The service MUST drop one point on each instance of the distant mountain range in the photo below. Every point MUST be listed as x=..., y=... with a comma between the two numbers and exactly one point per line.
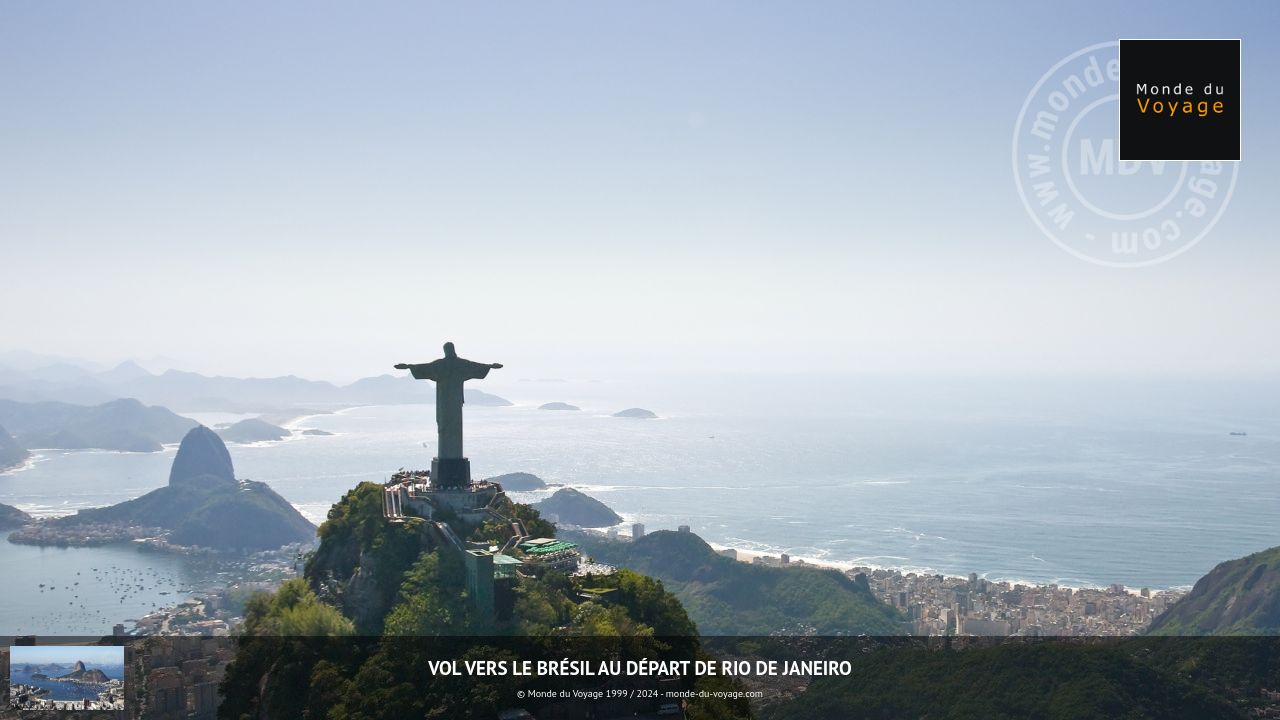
x=69, y=406
x=115, y=425
x=192, y=392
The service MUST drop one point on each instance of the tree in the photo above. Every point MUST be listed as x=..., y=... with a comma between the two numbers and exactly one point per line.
x=432, y=599
x=294, y=611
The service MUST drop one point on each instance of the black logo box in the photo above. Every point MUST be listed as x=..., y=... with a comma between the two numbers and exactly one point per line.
x=1210, y=132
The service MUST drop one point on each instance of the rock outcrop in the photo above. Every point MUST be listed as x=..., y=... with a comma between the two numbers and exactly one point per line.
x=202, y=459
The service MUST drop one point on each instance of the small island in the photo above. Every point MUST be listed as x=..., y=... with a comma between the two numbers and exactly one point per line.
x=315, y=432
x=558, y=406
x=577, y=508
x=519, y=481
x=638, y=413
x=253, y=430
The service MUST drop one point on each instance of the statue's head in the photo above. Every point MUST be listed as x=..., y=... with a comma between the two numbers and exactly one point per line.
x=449, y=351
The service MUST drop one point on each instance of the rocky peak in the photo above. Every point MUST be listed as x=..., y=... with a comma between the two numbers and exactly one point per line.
x=202, y=459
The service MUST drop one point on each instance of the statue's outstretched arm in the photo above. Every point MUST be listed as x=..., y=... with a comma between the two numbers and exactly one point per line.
x=495, y=366
x=402, y=366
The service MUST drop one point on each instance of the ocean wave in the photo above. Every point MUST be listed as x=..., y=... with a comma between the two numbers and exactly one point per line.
x=590, y=488
x=41, y=510
x=295, y=423
x=1082, y=488
x=102, y=451
x=913, y=533
x=315, y=512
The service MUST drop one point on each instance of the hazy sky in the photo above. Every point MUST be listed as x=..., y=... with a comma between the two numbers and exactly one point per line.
x=326, y=189
x=88, y=654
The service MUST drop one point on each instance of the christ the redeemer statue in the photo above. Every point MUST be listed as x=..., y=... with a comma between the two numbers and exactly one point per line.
x=450, y=468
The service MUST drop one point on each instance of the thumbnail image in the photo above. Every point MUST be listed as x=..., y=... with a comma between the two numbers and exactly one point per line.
x=67, y=677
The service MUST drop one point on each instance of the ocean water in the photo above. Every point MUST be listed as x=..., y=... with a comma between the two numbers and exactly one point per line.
x=1083, y=482
x=86, y=591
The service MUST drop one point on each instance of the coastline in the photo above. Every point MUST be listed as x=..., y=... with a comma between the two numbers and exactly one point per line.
x=27, y=463
x=312, y=511
x=936, y=604
x=845, y=566
x=749, y=556
x=747, y=548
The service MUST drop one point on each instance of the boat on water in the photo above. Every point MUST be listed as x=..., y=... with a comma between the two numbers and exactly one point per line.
x=1239, y=434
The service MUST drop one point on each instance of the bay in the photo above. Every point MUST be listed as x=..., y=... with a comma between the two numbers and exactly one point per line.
x=1084, y=483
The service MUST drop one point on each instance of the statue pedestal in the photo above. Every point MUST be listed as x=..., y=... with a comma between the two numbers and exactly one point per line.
x=450, y=472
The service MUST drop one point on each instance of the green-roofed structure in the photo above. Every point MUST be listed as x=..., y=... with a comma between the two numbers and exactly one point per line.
x=550, y=554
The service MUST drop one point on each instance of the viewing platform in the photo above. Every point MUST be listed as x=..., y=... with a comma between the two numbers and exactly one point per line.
x=410, y=493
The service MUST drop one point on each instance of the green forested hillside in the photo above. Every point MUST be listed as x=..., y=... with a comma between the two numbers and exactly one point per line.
x=577, y=508
x=406, y=602
x=728, y=597
x=1238, y=597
